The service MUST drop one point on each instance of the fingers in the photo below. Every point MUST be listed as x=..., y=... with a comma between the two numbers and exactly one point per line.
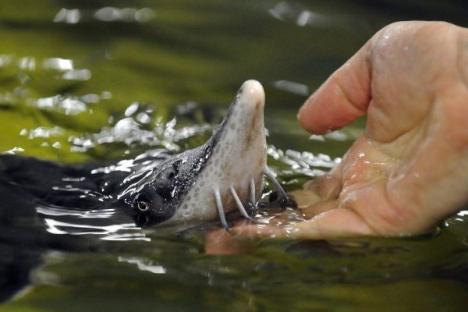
x=331, y=224
x=334, y=223
x=259, y=231
x=341, y=99
x=318, y=195
x=314, y=210
x=328, y=186
x=221, y=242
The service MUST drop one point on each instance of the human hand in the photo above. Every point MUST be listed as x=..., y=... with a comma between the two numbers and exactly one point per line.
x=409, y=169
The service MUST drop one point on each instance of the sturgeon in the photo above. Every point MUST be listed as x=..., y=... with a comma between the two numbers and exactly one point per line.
x=224, y=174
x=157, y=187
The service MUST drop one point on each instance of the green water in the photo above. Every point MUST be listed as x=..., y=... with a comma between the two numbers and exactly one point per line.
x=70, y=69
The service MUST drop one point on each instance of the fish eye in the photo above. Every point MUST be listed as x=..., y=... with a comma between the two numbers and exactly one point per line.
x=142, y=205
x=147, y=208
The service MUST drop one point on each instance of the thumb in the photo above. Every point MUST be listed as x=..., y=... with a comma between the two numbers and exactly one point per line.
x=342, y=98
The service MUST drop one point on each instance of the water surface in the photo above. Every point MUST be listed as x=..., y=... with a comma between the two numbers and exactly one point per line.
x=102, y=81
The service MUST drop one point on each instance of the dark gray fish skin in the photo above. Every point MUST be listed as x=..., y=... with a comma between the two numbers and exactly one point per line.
x=153, y=196
x=154, y=188
x=152, y=193
x=151, y=188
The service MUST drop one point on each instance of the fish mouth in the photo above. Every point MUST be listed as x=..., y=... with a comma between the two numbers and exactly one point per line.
x=232, y=176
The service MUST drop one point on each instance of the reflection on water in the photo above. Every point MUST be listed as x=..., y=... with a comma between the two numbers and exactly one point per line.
x=293, y=87
x=94, y=83
x=57, y=227
x=88, y=214
x=305, y=163
x=60, y=67
x=144, y=265
x=69, y=106
x=287, y=11
x=105, y=14
x=131, y=131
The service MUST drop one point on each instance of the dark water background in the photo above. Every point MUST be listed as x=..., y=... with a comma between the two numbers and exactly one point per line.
x=97, y=81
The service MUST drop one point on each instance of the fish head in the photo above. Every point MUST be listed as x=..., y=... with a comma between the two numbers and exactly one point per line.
x=182, y=188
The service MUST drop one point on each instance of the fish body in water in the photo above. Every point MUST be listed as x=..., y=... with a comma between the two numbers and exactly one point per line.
x=40, y=199
x=224, y=174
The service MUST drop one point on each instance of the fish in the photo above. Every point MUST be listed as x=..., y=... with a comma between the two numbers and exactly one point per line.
x=41, y=198
x=224, y=174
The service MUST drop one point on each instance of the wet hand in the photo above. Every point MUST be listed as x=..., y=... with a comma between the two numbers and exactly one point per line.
x=409, y=169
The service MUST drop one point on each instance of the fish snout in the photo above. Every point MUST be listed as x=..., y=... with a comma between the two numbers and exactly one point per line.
x=251, y=93
x=234, y=162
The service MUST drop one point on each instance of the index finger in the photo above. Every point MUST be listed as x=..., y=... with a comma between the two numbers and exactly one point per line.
x=344, y=97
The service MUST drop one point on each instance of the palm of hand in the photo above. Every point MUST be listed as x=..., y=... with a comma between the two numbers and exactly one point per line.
x=410, y=167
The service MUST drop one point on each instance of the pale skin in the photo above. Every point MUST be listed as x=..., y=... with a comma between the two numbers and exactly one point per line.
x=409, y=169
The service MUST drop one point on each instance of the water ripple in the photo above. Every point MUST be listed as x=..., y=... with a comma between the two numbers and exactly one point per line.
x=287, y=11
x=64, y=221
x=132, y=129
x=108, y=232
x=88, y=214
x=144, y=264
x=306, y=163
x=104, y=14
x=292, y=87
